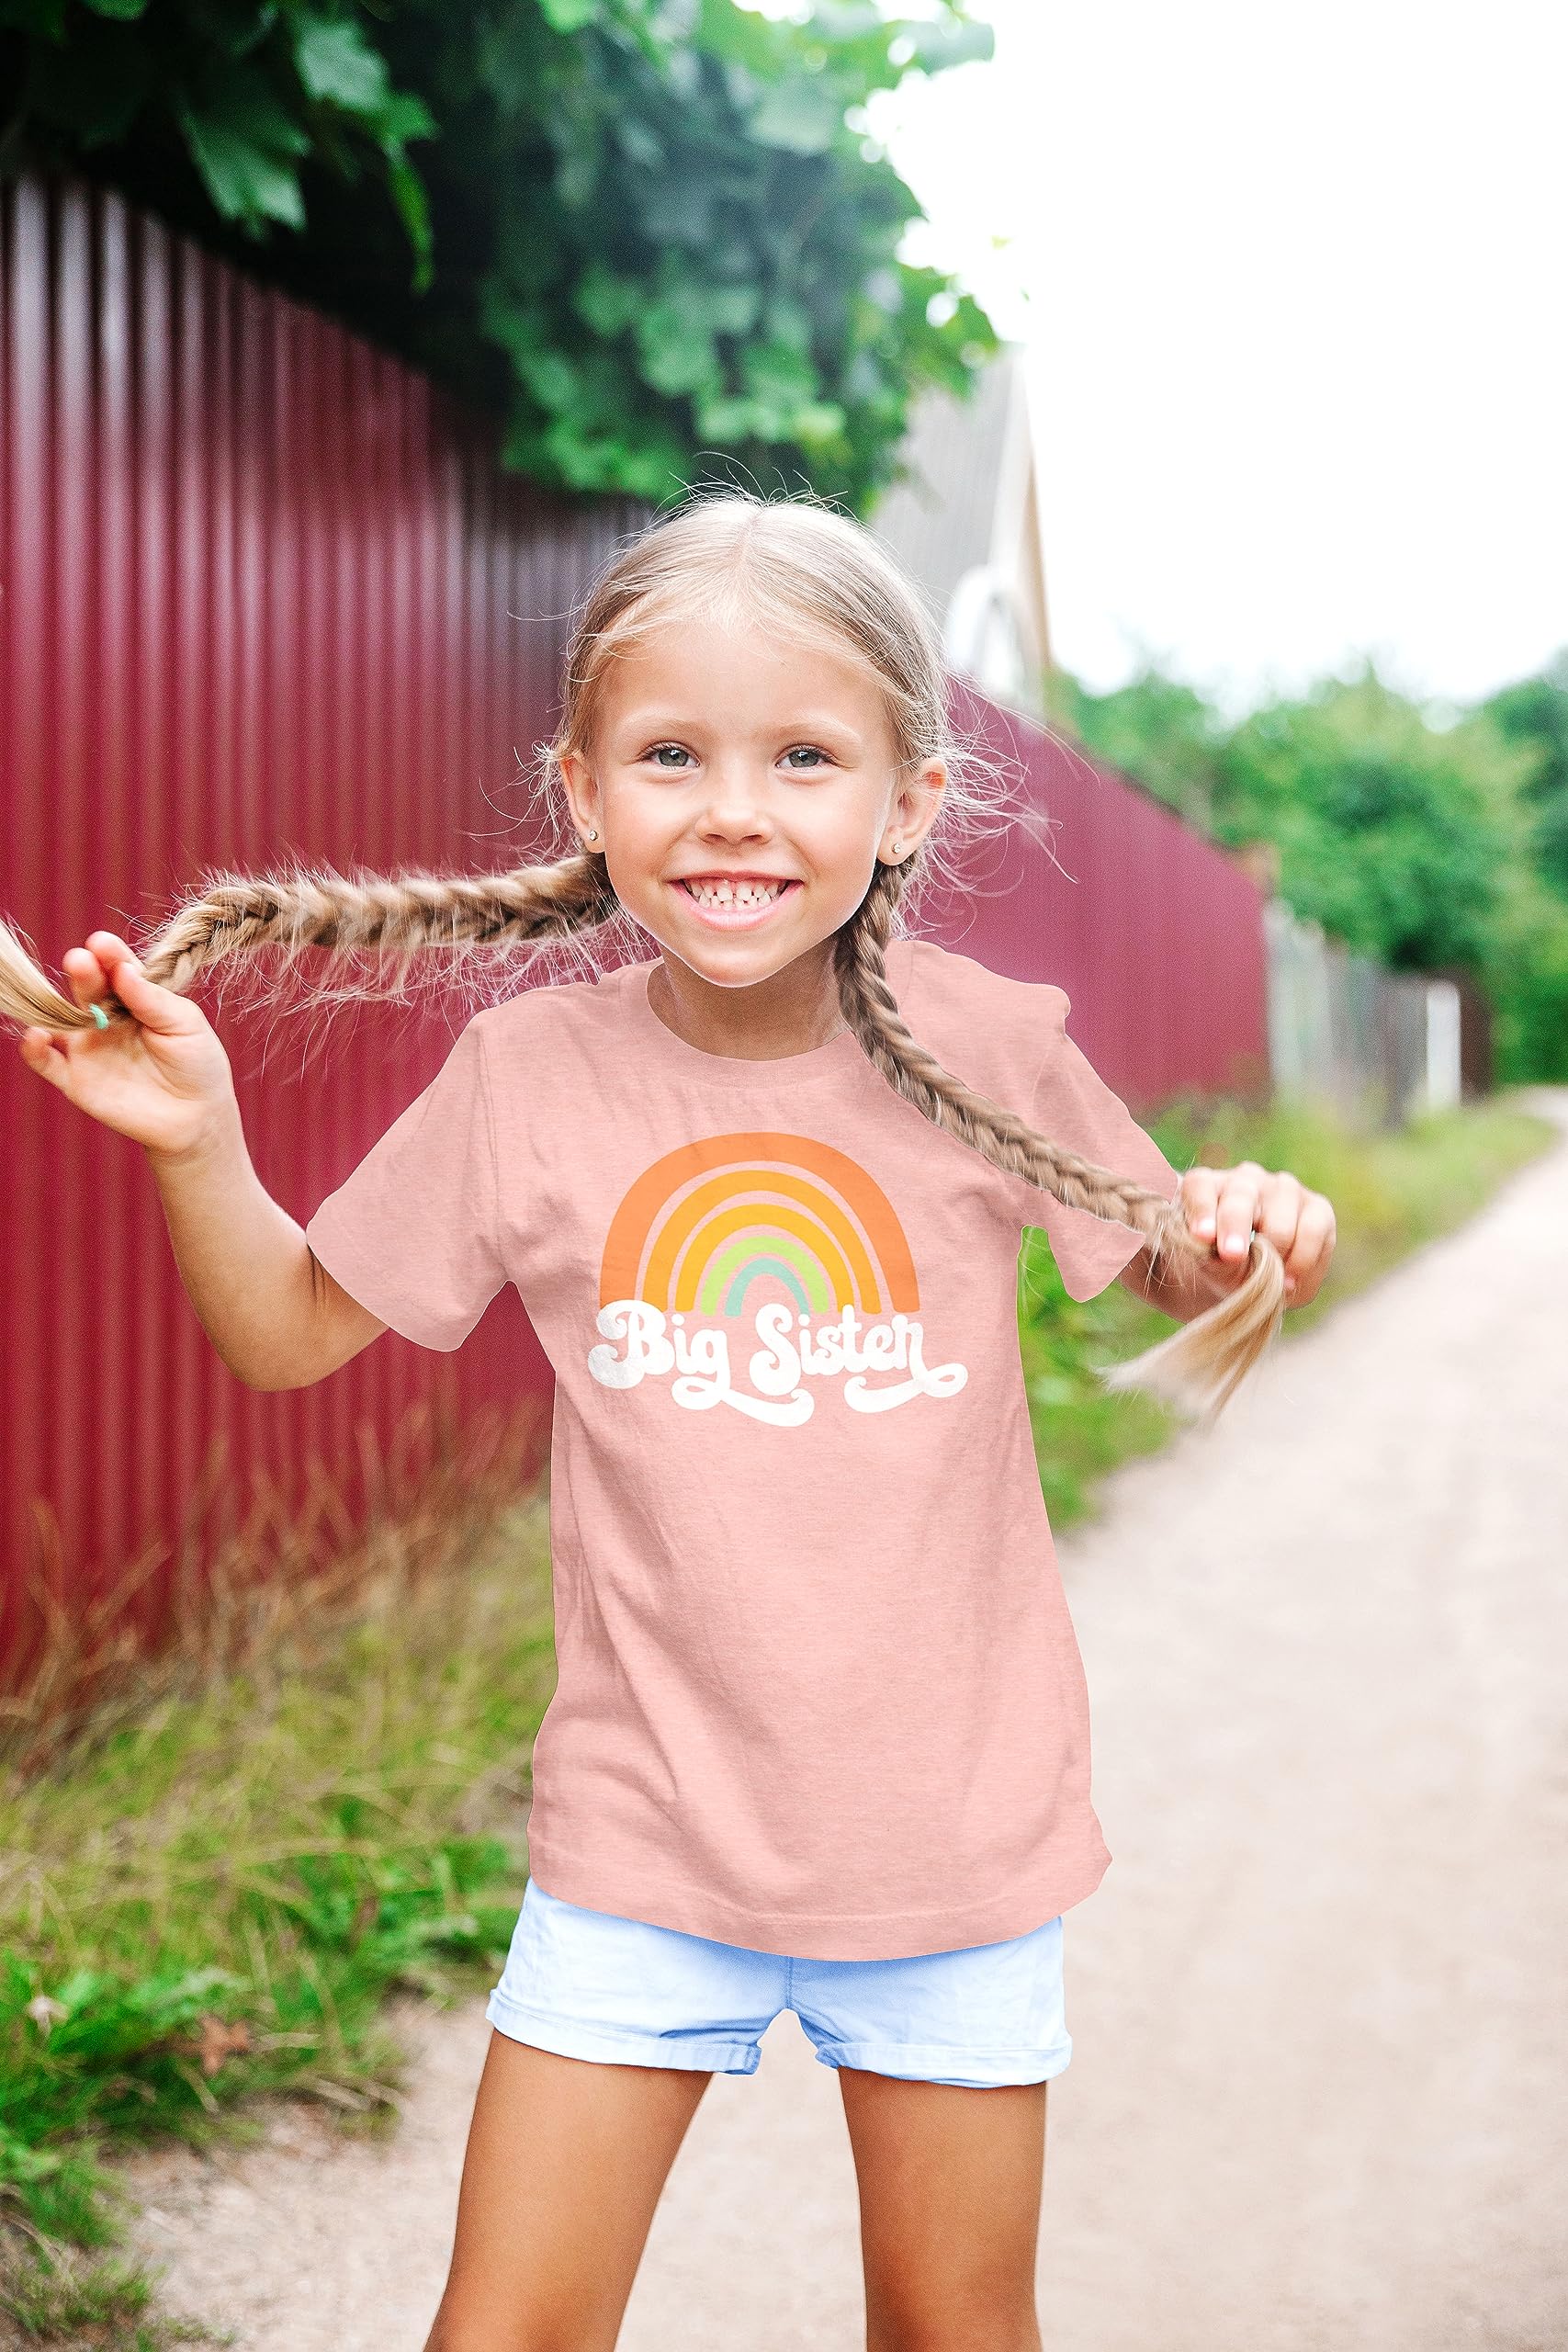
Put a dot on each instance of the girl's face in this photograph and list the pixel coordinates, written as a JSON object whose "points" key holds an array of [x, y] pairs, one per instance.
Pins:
{"points": [[743, 790]]}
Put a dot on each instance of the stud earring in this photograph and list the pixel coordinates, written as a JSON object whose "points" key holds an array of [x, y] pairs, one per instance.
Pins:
{"points": [[898, 849], [592, 833]]}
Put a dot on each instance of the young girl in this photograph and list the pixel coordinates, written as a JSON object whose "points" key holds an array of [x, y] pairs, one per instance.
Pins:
{"points": [[820, 1737]]}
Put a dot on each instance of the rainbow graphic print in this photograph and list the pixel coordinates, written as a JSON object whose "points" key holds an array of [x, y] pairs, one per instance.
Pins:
{"points": [[785, 1228]]}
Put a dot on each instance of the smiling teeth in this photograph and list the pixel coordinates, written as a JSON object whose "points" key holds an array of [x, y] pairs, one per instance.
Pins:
{"points": [[734, 894]]}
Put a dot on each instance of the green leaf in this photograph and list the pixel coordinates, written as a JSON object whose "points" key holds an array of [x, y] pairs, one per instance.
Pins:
{"points": [[568, 16], [639, 144], [676, 346], [241, 96], [789, 324], [776, 372], [818, 424], [127, 11], [739, 36], [577, 181], [841, 21], [337, 64], [733, 310], [551, 378], [413, 210], [518, 330], [247, 183], [609, 304], [231, 27], [401, 117], [798, 115], [728, 422]]}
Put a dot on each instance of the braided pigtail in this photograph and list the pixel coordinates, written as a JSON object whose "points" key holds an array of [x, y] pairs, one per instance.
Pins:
{"points": [[397, 919], [1196, 1368]]}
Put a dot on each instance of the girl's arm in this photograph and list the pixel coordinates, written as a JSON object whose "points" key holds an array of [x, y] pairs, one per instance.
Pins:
{"points": [[1225, 1205], [274, 1314]]}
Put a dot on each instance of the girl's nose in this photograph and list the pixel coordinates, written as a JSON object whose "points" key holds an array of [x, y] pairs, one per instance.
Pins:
{"points": [[735, 810]]}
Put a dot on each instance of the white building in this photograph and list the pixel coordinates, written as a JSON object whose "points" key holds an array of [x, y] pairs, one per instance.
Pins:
{"points": [[966, 523]]}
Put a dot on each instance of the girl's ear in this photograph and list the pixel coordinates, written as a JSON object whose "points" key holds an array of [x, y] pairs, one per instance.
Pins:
{"points": [[912, 811], [583, 799]]}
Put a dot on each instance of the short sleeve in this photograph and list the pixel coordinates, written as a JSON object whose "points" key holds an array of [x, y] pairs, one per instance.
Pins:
{"points": [[413, 1232], [1073, 1106]]}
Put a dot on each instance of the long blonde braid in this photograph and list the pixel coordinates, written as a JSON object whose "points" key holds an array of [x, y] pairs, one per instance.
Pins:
{"points": [[1198, 1367], [399, 918]]}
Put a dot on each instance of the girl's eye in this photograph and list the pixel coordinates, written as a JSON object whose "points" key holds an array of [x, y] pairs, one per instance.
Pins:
{"points": [[674, 759]]}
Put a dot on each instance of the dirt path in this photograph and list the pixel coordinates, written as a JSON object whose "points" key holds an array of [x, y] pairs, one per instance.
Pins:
{"points": [[1319, 2096]]}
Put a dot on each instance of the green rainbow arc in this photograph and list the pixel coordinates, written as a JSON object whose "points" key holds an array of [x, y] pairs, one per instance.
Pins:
{"points": [[735, 1296], [722, 1277]]}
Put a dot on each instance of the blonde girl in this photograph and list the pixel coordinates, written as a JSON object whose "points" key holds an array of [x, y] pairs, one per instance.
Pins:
{"points": [[820, 1737]]}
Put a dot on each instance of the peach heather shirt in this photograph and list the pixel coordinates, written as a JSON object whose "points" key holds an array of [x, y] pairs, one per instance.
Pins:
{"points": [[819, 1693]]}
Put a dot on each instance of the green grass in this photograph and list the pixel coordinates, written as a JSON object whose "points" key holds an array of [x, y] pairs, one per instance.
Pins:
{"points": [[213, 1876], [204, 1903], [1391, 1192]]}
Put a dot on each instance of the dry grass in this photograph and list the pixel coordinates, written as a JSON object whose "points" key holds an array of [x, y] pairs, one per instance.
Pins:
{"points": [[285, 1577]]}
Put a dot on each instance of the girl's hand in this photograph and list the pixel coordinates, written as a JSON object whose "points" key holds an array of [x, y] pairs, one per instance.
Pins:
{"points": [[1225, 1205], [161, 1078]]}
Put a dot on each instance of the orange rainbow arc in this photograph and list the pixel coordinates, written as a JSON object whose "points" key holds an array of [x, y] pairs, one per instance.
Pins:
{"points": [[813, 1218]]}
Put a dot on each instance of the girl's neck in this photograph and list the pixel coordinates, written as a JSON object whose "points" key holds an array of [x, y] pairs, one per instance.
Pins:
{"points": [[793, 1012]]}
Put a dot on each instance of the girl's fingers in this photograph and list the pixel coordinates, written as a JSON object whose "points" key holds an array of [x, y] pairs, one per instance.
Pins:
{"points": [[1199, 1192], [1279, 1211], [41, 1051], [1227, 1205], [1235, 1212], [155, 1008], [84, 973], [1313, 1244]]}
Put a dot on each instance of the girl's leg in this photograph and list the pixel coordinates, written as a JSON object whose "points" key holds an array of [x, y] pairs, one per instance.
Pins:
{"points": [[950, 2183], [565, 2163]]}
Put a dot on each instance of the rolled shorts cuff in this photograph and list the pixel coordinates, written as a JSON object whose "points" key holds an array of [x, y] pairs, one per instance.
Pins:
{"points": [[964, 2069], [545, 2029]]}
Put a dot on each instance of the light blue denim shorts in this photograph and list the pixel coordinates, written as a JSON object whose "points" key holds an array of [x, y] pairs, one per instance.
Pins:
{"points": [[592, 1984]]}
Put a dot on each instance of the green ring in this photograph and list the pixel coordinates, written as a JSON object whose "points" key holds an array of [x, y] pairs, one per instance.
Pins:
{"points": [[100, 1016]]}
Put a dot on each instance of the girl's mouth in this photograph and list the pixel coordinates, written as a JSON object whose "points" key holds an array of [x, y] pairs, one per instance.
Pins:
{"points": [[738, 903]]}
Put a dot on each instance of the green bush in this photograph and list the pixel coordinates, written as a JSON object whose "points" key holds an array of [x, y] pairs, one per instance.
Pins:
{"points": [[1430, 840], [654, 234]]}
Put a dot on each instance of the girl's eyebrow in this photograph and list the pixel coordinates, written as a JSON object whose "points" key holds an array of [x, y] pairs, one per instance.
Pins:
{"points": [[654, 723]]}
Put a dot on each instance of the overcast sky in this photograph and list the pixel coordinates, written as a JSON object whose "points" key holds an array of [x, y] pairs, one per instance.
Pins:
{"points": [[1293, 283]]}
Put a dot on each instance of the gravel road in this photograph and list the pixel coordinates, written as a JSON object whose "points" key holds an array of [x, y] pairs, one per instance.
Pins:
{"points": [[1319, 2095]]}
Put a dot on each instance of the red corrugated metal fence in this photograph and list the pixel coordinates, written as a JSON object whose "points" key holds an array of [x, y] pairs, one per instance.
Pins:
{"points": [[1155, 934], [262, 593]]}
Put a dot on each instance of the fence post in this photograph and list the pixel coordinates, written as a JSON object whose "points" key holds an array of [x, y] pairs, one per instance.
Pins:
{"points": [[1444, 1071]]}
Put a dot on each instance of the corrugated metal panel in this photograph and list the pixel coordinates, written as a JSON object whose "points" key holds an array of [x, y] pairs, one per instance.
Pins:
{"points": [[262, 593], [1155, 934]]}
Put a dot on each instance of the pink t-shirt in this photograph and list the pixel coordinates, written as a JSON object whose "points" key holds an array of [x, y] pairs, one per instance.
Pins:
{"points": [[819, 1693]]}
